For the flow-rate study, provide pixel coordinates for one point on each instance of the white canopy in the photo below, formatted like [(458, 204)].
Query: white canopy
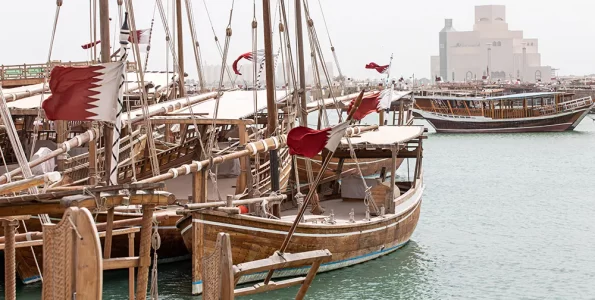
[(234, 104), (385, 136)]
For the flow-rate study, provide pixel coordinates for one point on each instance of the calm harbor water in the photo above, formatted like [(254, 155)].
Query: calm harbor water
[(505, 216)]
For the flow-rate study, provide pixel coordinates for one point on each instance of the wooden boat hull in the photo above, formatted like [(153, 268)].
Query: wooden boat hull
[(554, 123), (254, 238), (369, 166)]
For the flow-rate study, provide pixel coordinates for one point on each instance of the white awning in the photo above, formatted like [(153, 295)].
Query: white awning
[(385, 136)]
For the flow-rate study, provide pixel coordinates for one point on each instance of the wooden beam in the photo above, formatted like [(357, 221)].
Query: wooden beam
[(308, 281), (288, 260), (17, 186), (378, 153), (204, 121), (144, 252), (273, 285), (120, 263), (61, 194), (107, 244), (59, 206)]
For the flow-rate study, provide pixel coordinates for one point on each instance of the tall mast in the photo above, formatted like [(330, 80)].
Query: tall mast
[(104, 33), (270, 83), (182, 90), (301, 72)]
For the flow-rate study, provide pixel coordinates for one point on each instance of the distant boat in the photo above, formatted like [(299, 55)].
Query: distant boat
[(526, 112)]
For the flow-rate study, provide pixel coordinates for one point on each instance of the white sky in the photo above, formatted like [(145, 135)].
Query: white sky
[(361, 30)]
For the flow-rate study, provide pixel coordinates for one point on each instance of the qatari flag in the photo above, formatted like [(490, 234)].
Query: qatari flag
[(86, 93), (309, 142), (370, 104), (90, 45), (257, 57), (142, 36), (378, 68)]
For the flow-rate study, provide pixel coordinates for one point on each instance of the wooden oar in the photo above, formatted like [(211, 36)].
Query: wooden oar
[(311, 192)]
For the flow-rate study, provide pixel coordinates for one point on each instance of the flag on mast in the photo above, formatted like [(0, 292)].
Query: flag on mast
[(378, 68), (86, 93), (255, 57), (309, 142), (142, 36), (90, 45)]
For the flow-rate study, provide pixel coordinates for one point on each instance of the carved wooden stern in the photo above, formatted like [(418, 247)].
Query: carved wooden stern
[(72, 265)]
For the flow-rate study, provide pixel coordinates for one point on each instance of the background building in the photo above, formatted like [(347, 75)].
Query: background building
[(468, 55)]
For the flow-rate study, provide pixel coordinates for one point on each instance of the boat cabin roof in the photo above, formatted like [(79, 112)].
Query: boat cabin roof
[(494, 98), (384, 137)]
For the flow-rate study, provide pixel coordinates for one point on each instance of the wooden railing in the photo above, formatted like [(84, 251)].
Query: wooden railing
[(38, 71)]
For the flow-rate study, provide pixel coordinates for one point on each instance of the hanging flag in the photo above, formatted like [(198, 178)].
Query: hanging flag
[(309, 142), (142, 36), (250, 56), (90, 45), (86, 93), (370, 104), (380, 69)]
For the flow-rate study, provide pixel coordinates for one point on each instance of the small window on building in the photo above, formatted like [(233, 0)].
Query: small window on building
[(499, 19)]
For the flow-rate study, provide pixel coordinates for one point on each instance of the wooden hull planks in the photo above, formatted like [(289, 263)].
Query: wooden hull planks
[(554, 123), (254, 238)]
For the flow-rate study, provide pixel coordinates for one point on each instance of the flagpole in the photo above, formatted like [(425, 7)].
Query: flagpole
[(124, 34), (389, 67), (312, 189)]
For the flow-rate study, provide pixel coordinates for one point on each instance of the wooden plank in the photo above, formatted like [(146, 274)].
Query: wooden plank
[(120, 263), (144, 252), (199, 195), (107, 244), (288, 260), (242, 181), (227, 276), (273, 285), (89, 264), (390, 205), (189, 120), (308, 281), (131, 269)]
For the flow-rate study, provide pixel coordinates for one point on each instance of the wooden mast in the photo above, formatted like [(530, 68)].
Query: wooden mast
[(182, 89), (301, 72), (270, 88), (104, 33)]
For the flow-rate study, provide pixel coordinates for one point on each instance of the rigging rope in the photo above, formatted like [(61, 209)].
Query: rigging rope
[(217, 41), (150, 36), (195, 45), (144, 100)]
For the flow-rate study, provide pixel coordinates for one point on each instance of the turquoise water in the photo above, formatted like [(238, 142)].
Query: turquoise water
[(504, 216)]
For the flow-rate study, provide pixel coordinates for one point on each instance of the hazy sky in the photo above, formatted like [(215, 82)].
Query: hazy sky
[(361, 30)]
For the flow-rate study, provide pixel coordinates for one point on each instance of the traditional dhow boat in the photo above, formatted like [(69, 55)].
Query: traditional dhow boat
[(527, 112), (349, 230)]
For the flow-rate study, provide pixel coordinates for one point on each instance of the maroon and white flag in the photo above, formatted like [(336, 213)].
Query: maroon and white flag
[(309, 142), (142, 36), (86, 93), (378, 68), (370, 104), (90, 45), (257, 57)]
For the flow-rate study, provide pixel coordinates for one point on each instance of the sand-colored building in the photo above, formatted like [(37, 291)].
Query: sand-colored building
[(491, 45)]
